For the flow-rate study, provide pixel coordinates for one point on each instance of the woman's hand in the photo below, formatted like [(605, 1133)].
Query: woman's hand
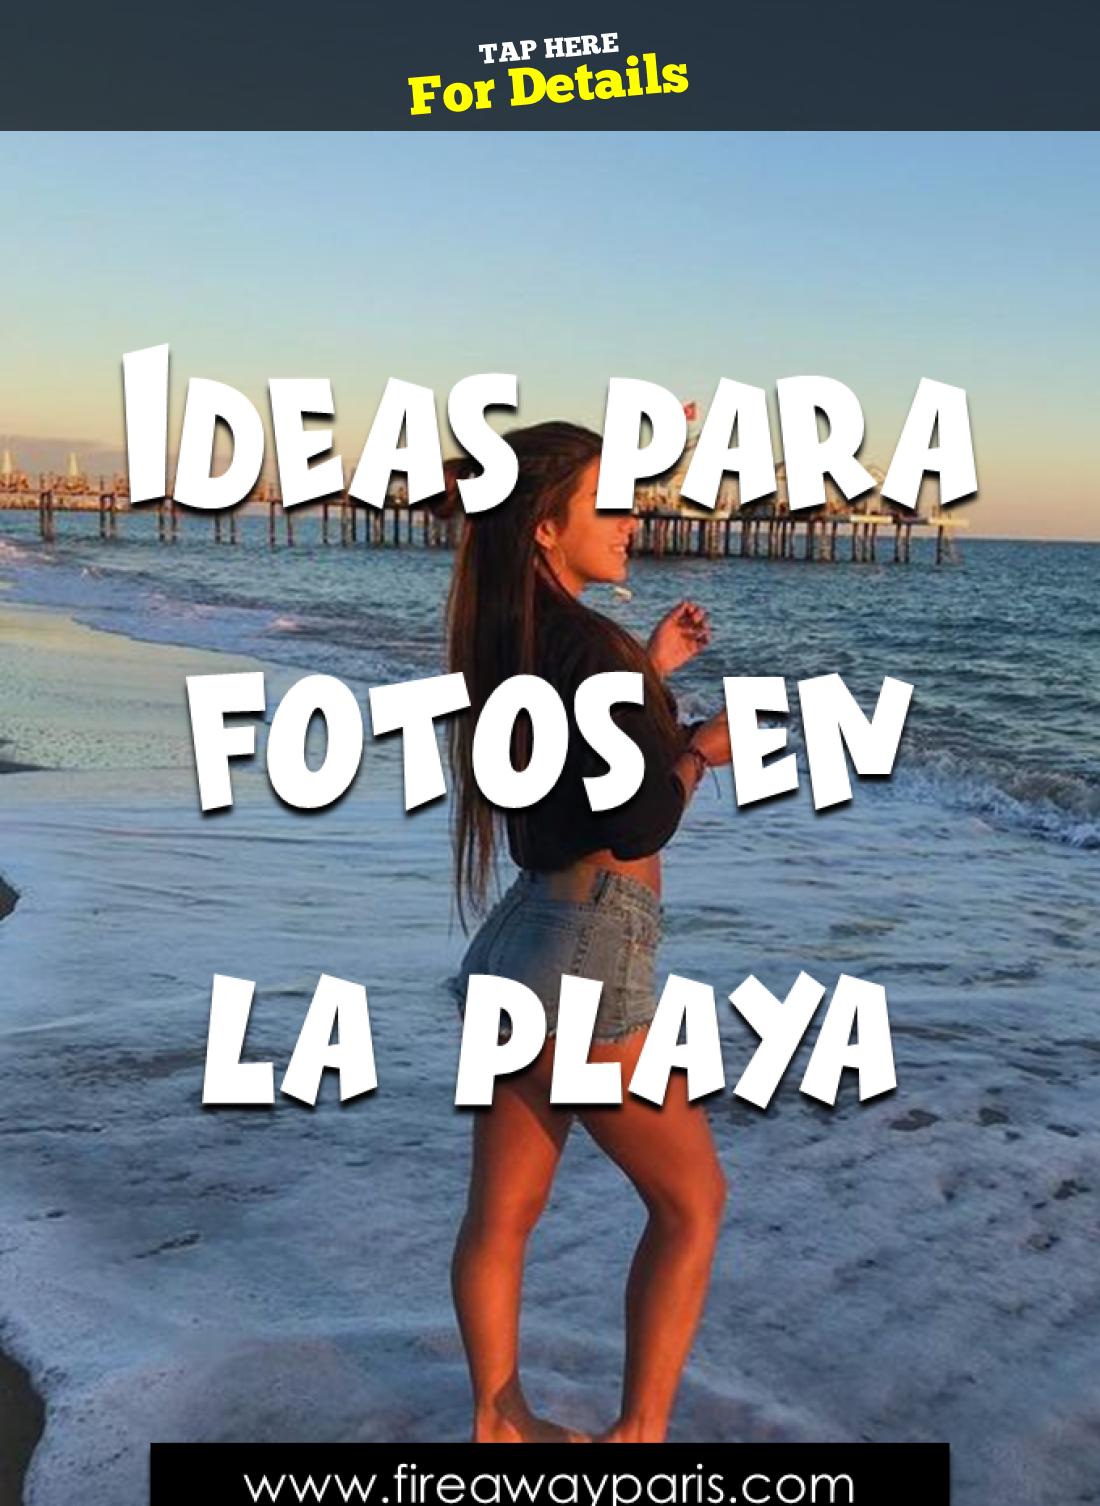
[(713, 740), (678, 637)]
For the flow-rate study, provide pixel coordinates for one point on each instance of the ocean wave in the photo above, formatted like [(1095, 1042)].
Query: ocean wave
[(14, 553), (1057, 805)]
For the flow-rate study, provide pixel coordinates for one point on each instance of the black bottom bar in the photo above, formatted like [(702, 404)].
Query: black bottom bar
[(680, 1474)]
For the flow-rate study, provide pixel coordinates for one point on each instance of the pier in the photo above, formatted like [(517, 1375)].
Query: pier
[(666, 530)]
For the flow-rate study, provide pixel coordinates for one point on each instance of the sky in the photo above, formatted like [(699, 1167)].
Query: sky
[(569, 258)]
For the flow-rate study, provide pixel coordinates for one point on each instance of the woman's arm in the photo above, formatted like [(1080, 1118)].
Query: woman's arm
[(689, 769)]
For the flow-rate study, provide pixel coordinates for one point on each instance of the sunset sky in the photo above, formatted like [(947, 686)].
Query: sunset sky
[(568, 259)]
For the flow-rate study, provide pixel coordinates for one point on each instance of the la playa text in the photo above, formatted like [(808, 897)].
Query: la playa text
[(683, 1036)]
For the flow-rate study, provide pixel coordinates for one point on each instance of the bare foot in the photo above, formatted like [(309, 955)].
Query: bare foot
[(525, 1429), (625, 1432)]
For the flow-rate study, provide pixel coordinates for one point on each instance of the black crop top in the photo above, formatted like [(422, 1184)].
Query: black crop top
[(562, 826)]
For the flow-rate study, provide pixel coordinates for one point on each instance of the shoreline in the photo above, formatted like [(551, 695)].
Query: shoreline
[(22, 1408)]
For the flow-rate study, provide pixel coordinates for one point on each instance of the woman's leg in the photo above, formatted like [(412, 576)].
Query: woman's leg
[(669, 1155), (517, 1145)]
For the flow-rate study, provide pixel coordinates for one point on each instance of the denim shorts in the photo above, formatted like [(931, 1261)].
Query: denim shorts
[(534, 938)]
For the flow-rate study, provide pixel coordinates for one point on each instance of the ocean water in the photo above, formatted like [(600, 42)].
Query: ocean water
[(1003, 649)]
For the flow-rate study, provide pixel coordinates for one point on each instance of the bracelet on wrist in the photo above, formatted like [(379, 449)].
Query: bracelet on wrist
[(699, 759)]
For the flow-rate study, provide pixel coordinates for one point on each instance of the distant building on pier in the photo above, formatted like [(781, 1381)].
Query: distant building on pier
[(11, 478), (666, 495)]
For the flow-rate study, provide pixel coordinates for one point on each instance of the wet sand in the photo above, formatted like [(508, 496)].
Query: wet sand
[(63, 722)]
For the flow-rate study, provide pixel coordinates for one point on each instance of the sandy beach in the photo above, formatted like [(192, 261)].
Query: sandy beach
[(55, 697), (917, 1267)]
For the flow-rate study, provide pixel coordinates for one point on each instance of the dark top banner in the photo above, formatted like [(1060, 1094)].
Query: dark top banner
[(603, 65)]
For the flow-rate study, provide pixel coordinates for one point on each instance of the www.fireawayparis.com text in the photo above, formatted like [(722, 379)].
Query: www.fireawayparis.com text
[(408, 1485)]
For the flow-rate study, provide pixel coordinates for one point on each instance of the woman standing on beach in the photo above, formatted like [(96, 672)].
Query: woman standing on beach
[(586, 901)]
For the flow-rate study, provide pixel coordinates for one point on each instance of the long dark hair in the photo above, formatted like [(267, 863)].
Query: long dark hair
[(501, 590)]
